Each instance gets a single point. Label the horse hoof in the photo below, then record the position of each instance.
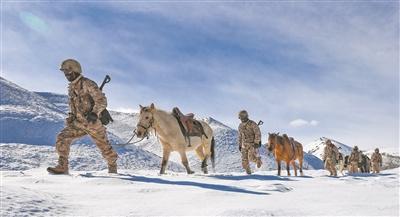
(190, 172)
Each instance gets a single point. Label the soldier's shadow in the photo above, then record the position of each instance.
(217, 187)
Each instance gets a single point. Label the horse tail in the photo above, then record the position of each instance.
(213, 153)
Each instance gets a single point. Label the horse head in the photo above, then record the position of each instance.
(271, 141)
(146, 120)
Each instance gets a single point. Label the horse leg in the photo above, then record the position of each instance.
(278, 162)
(203, 158)
(185, 161)
(301, 166)
(294, 167)
(164, 162)
(288, 167)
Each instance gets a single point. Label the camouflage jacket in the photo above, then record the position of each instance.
(376, 158)
(331, 152)
(355, 156)
(249, 132)
(84, 97)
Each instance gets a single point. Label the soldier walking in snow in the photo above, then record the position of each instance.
(249, 141)
(331, 156)
(354, 159)
(86, 103)
(376, 160)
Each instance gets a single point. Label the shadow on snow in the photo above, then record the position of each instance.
(144, 179)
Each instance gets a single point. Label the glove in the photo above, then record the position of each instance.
(257, 145)
(91, 117)
(70, 118)
(240, 148)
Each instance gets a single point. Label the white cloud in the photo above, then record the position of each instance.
(301, 123)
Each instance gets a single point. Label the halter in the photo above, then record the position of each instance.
(151, 122)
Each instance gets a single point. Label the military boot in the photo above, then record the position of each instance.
(112, 167)
(248, 171)
(61, 168)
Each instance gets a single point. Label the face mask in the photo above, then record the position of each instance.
(71, 76)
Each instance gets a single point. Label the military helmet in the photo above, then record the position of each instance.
(71, 65)
(376, 149)
(355, 148)
(328, 141)
(243, 114)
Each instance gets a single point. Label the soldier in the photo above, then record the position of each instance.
(249, 141)
(354, 160)
(331, 155)
(376, 160)
(86, 102)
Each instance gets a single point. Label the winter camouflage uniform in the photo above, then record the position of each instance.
(249, 136)
(331, 155)
(354, 160)
(376, 160)
(84, 97)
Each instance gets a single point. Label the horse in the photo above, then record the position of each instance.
(169, 133)
(286, 149)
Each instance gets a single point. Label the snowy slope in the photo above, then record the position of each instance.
(59, 100)
(316, 148)
(145, 193)
(82, 157)
(26, 117)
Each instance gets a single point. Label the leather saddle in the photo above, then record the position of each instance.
(190, 127)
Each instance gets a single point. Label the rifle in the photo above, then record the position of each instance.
(106, 80)
(105, 116)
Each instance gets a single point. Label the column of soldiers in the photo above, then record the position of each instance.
(331, 156)
(86, 103)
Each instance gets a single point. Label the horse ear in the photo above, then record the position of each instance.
(152, 107)
(141, 107)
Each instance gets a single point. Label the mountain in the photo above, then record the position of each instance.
(27, 117)
(316, 148)
(390, 158)
(59, 100)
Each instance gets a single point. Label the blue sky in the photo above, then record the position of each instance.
(305, 68)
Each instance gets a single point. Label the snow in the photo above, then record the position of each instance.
(144, 192)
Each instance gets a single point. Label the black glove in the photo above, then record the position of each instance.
(240, 148)
(257, 145)
(91, 117)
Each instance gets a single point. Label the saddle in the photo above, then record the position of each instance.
(190, 127)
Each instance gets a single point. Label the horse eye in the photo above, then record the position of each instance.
(147, 117)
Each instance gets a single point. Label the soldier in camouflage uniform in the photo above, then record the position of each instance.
(331, 156)
(86, 102)
(354, 160)
(376, 160)
(249, 141)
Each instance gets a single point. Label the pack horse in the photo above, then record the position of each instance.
(178, 132)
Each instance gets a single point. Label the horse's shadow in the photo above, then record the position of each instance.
(217, 187)
(253, 176)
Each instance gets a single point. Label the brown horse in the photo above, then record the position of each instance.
(286, 149)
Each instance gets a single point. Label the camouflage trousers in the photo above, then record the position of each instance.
(376, 168)
(330, 165)
(353, 167)
(249, 152)
(96, 131)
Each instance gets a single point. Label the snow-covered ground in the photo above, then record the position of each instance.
(144, 192)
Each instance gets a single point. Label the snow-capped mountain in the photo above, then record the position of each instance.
(316, 148)
(390, 158)
(59, 100)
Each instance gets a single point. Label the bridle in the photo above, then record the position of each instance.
(146, 128)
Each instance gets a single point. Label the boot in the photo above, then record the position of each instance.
(61, 168)
(259, 163)
(248, 171)
(112, 168)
